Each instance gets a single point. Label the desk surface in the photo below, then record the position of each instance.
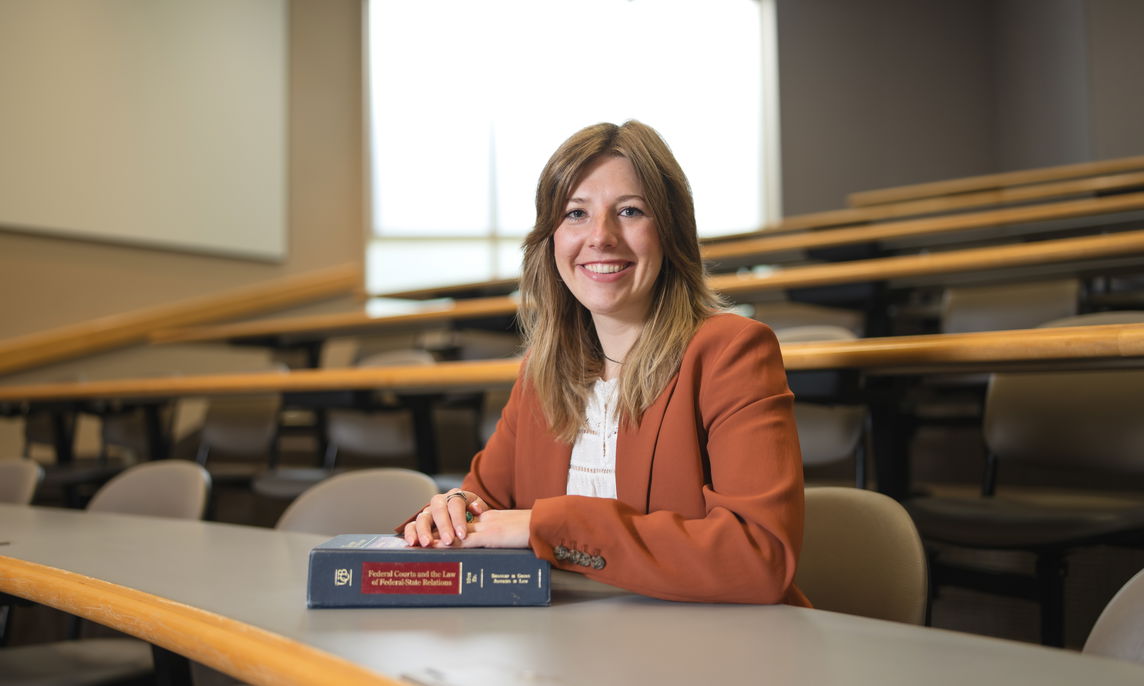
(1062, 251)
(1110, 345)
(590, 634)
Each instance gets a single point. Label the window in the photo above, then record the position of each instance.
(467, 99)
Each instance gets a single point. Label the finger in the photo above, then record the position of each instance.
(477, 505)
(471, 540)
(410, 532)
(457, 504)
(442, 518)
(423, 527)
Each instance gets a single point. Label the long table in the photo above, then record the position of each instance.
(1087, 347)
(233, 598)
(1069, 254)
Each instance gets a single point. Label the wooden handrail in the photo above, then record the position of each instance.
(953, 261)
(1060, 250)
(959, 202)
(759, 244)
(344, 322)
(1108, 343)
(104, 333)
(451, 290)
(988, 181)
(254, 655)
(763, 245)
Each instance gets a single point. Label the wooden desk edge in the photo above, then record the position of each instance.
(245, 652)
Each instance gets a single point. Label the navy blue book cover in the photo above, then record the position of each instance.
(380, 570)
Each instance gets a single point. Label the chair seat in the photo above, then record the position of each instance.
(289, 483)
(1028, 521)
(77, 663)
(82, 471)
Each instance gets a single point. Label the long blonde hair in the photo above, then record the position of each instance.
(565, 356)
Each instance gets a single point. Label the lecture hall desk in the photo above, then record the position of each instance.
(1117, 345)
(233, 598)
(1067, 255)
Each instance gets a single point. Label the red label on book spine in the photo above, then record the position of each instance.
(411, 577)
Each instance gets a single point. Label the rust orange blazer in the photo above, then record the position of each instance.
(709, 485)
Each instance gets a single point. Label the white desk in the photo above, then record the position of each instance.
(590, 634)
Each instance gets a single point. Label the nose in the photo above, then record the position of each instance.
(604, 231)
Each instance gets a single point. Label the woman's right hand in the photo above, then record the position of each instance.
(446, 517)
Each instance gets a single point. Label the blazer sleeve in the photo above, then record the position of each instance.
(744, 548)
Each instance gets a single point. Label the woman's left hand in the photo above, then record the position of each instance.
(497, 529)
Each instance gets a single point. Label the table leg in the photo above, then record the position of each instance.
(171, 669)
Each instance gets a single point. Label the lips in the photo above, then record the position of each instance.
(606, 267)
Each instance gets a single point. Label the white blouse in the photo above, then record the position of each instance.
(592, 471)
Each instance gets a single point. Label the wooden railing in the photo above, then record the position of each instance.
(246, 652)
(1107, 345)
(105, 333)
(1061, 251)
(990, 181)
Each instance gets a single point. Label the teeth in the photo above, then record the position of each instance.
(605, 268)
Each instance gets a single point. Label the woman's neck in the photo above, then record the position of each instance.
(617, 338)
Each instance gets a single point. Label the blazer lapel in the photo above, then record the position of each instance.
(635, 449)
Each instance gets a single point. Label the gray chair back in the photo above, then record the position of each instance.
(166, 488)
(826, 433)
(359, 502)
(862, 555)
(385, 433)
(1119, 631)
(19, 479)
(1058, 418)
(1007, 306)
(241, 425)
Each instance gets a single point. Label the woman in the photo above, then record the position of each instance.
(649, 442)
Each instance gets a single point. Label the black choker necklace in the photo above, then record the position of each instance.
(610, 359)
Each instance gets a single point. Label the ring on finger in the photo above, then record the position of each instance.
(457, 494)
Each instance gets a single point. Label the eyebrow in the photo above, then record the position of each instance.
(622, 198)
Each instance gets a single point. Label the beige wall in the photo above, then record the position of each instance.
(48, 282)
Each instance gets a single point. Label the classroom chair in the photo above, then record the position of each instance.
(828, 431)
(241, 429)
(997, 307)
(958, 399)
(19, 479)
(74, 481)
(383, 431)
(362, 501)
(162, 488)
(166, 488)
(1119, 631)
(1072, 421)
(861, 555)
(784, 314)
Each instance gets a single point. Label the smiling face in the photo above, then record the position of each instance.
(606, 246)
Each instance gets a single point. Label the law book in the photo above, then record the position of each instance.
(381, 570)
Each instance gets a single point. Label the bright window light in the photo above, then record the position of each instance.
(468, 99)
